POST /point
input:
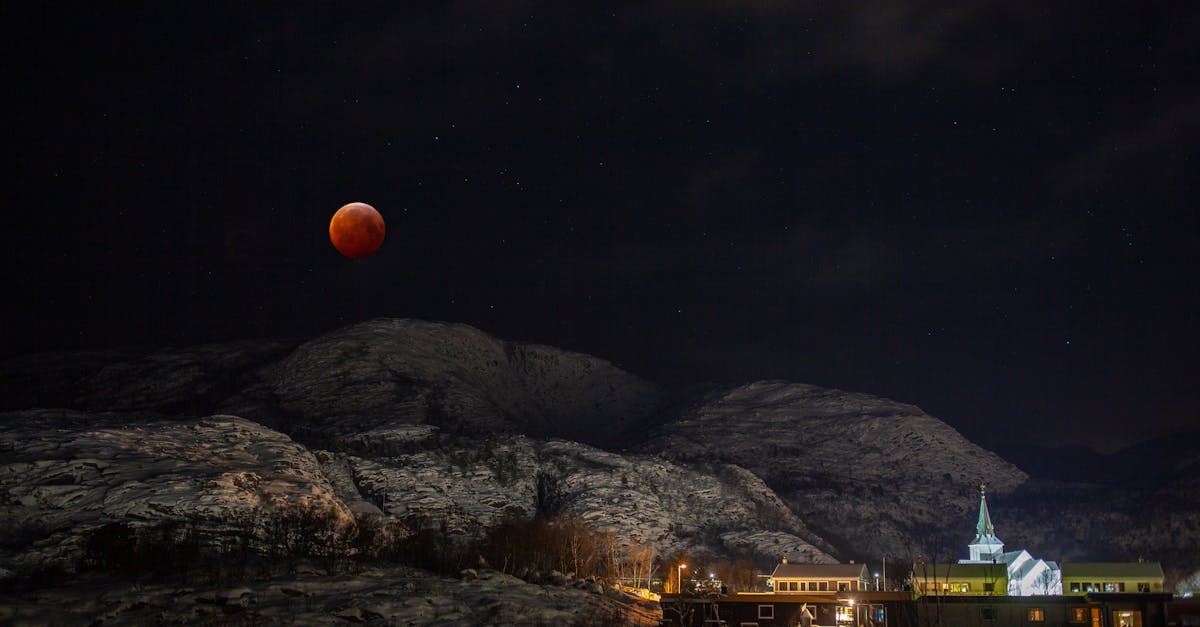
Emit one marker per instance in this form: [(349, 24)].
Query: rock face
[(869, 474), (441, 423), (710, 510), (389, 372), (66, 472)]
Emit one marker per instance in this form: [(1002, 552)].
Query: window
[(964, 587), (823, 588), (1079, 614), (766, 611), (843, 586), (1036, 615), (989, 587), (844, 614), (1075, 587), (832, 586), (793, 586), (1114, 586), (1127, 618), (1143, 587), (803, 585), (987, 613)]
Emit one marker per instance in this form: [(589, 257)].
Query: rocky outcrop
[(712, 509), (870, 474), (65, 473), (394, 372)]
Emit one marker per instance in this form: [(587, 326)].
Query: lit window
[(1143, 587), (1079, 615), (1075, 586), (844, 614), (766, 611), (1036, 615), (964, 587)]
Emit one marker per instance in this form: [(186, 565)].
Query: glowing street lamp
[(679, 576), (877, 582)]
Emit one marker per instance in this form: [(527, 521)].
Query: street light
[(679, 578), (877, 582)]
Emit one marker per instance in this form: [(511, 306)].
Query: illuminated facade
[(1111, 577), (819, 578), (1025, 574)]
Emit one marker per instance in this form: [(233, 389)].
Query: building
[(897, 609), (1110, 577), (1026, 575), (984, 579), (819, 578)]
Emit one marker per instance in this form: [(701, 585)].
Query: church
[(1027, 576)]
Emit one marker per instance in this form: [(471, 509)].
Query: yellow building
[(819, 578), (1084, 577), (960, 579)]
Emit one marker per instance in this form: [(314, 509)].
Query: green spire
[(984, 526)]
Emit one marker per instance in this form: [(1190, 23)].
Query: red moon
[(356, 230)]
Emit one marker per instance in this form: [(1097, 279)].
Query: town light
[(679, 578)]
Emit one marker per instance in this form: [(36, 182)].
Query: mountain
[(459, 379), (874, 476), (441, 426)]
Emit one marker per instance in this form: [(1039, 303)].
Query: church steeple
[(984, 527), (986, 546)]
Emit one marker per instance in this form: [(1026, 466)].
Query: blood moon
[(356, 230)]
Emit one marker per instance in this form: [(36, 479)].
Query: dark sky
[(986, 208)]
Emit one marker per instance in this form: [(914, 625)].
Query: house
[(960, 579), (819, 578), (1085, 577)]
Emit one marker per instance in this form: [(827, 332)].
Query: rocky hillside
[(874, 476), (443, 423), (711, 510), (66, 473), (388, 372)]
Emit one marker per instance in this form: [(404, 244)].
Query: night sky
[(985, 208)]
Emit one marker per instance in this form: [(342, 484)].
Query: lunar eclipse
[(357, 230)]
